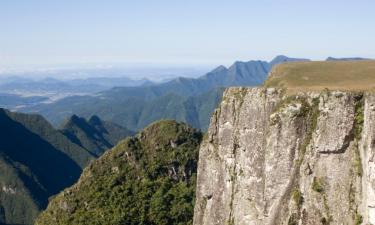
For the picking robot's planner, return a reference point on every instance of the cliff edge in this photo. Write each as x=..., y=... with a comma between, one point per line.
x=274, y=155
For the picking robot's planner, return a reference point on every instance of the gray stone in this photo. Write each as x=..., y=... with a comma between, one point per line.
x=273, y=159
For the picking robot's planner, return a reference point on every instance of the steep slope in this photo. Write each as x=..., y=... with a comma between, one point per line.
x=42, y=128
x=94, y=135
x=131, y=107
x=18, y=204
x=36, y=162
x=146, y=179
x=273, y=156
x=192, y=110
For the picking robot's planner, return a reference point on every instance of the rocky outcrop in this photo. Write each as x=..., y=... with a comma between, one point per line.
x=272, y=158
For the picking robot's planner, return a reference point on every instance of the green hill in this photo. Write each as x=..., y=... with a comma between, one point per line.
x=94, y=135
x=357, y=75
x=38, y=161
x=146, y=179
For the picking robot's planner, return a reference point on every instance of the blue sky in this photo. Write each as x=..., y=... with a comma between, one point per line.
x=41, y=32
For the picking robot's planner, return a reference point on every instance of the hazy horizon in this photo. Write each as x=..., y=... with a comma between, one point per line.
x=40, y=33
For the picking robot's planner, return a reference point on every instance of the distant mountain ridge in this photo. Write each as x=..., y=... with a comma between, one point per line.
x=38, y=161
x=94, y=135
x=346, y=59
x=282, y=59
x=177, y=99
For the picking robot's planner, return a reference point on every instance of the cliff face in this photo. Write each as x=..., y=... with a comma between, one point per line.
x=269, y=158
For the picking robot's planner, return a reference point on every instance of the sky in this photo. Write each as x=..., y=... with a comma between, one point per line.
x=194, y=32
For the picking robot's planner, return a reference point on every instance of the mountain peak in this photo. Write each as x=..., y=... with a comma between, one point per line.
x=219, y=69
x=74, y=120
x=74, y=117
x=236, y=63
x=164, y=131
x=95, y=120
x=94, y=135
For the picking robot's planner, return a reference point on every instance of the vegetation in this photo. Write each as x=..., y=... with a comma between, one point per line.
x=146, y=179
x=17, y=205
x=358, y=126
x=359, y=116
x=182, y=99
x=36, y=162
x=297, y=197
x=358, y=220
x=136, y=112
x=318, y=185
x=293, y=219
x=94, y=135
x=317, y=76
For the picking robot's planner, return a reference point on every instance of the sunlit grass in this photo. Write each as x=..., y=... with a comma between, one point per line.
x=319, y=75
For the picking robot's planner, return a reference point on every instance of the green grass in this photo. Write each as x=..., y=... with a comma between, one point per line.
x=317, y=76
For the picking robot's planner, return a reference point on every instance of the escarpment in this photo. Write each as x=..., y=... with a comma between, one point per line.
x=276, y=158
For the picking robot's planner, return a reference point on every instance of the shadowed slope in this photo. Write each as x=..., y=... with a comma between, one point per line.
x=94, y=135
x=32, y=168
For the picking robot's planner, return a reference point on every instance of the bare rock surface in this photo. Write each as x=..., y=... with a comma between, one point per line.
x=270, y=158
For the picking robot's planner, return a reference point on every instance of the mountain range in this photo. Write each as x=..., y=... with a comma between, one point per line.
x=150, y=178
x=38, y=161
x=94, y=135
x=180, y=99
x=146, y=179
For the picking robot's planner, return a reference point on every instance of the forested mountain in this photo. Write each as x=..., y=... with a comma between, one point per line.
x=38, y=161
x=180, y=99
x=94, y=135
x=146, y=179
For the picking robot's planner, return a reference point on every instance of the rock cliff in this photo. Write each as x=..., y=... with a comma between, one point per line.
x=274, y=158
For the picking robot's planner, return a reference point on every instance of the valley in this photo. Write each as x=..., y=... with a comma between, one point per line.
x=272, y=143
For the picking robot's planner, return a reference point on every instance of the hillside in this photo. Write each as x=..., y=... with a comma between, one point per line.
x=94, y=135
x=36, y=162
x=145, y=179
x=179, y=99
x=40, y=127
x=315, y=76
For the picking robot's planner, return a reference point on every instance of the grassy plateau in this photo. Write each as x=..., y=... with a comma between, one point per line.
x=320, y=75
